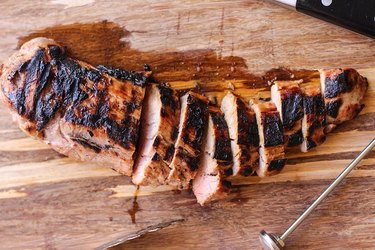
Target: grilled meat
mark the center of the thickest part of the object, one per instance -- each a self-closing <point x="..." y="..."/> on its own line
<point x="314" y="118"/>
<point x="216" y="160"/>
<point x="243" y="131"/>
<point x="193" y="120"/>
<point x="343" y="91"/>
<point x="287" y="97"/>
<point x="271" y="138"/>
<point x="159" y="129"/>
<point x="81" y="111"/>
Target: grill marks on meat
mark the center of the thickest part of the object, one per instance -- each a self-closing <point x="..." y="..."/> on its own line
<point x="287" y="97"/>
<point x="314" y="119"/>
<point x="271" y="138"/>
<point x="77" y="109"/>
<point x="216" y="160"/>
<point x="159" y="128"/>
<point x="193" y="120"/>
<point x="243" y="131"/>
<point x="343" y="91"/>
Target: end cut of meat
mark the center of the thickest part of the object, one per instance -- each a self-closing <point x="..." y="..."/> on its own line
<point x="193" y="120"/>
<point x="216" y="160"/>
<point x="159" y="129"/>
<point x="271" y="138"/>
<point x="343" y="91"/>
<point x="287" y="97"/>
<point x="243" y="132"/>
<point x="79" y="110"/>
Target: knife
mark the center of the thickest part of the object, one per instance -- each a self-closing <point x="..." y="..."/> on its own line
<point x="356" y="15"/>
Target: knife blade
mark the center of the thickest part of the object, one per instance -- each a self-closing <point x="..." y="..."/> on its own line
<point x="356" y="15"/>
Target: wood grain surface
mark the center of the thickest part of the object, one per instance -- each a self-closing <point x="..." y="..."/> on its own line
<point x="48" y="201"/>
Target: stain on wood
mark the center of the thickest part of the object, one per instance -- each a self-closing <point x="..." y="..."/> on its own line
<point x="49" y="201"/>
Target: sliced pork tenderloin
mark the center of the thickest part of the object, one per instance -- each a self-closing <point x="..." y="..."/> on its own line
<point x="192" y="125"/>
<point x="216" y="160"/>
<point x="313" y="122"/>
<point x="271" y="138"/>
<point x="287" y="96"/>
<point x="159" y="129"/>
<point x="243" y="131"/>
<point x="343" y="91"/>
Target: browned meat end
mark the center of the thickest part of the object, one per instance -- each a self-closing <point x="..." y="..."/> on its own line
<point x="343" y="91"/>
<point x="243" y="131"/>
<point x="271" y="138"/>
<point x="287" y="97"/>
<point x="81" y="111"/>
<point x="216" y="160"/>
<point x="159" y="129"/>
<point x="313" y="122"/>
<point x="193" y="120"/>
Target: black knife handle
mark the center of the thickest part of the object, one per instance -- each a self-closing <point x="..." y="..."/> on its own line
<point x="356" y="15"/>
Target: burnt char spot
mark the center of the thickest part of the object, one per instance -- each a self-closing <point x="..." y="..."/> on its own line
<point x="333" y="108"/>
<point x="156" y="142"/>
<point x="169" y="153"/>
<point x="246" y="171"/>
<point x="339" y="84"/>
<point x="273" y="130"/>
<point x="291" y="108"/>
<point x="94" y="75"/>
<point x="313" y="105"/>
<point x="168" y="98"/>
<point x="90" y="145"/>
<point x="90" y="133"/>
<point x="228" y="172"/>
<point x="194" y="127"/>
<point x="191" y="161"/>
<point x="315" y="125"/>
<point x="174" y="133"/>
<point x="137" y="78"/>
<point x="222" y="141"/>
<point x="276" y="165"/>
<point x="247" y="126"/>
<point x="310" y="144"/>
<point x="156" y="157"/>
<point x="295" y="139"/>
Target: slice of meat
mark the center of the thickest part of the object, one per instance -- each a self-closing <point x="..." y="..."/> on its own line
<point x="243" y="131"/>
<point x="271" y="138"/>
<point x="287" y="96"/>
<point x="159" y="129"/>
<point x="193" y="120"/>
<point x="313" y="122"/>
<point x="216" y="160"/>
<point x="81" y="111"/>
<point x="343" y="91"/>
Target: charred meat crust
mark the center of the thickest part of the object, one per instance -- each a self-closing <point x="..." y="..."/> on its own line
<point x="291" y="106"/>
<point x="333" y="108"/>
<point x="137" y="78"/>
<point x="338" y="84"/>
<point x="194" y="126"/>
<point x="273" y="129"/>
<point x="223" y="150"/>
<point x="276" y="165"/>
<point x="248" y="133"/>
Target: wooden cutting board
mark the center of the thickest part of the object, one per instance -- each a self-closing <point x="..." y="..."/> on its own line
<point x="52" y="202"/>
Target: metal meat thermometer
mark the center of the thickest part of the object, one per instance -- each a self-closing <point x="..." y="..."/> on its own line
<point x="356" y="15"/>
<point x="274" y="242"/>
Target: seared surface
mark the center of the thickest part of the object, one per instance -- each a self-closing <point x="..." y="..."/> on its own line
<point x="287" y="97"/>
<point x="271" y="138"/>
<point x="193" y="120"/>
<point x="216" y="160"/>
<point x="77" y="109"/>
<point x="314" y="119"/>
<point x="243" y="132"/>
<point x="159" y="130"/>
<point x="343" y="91"/>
